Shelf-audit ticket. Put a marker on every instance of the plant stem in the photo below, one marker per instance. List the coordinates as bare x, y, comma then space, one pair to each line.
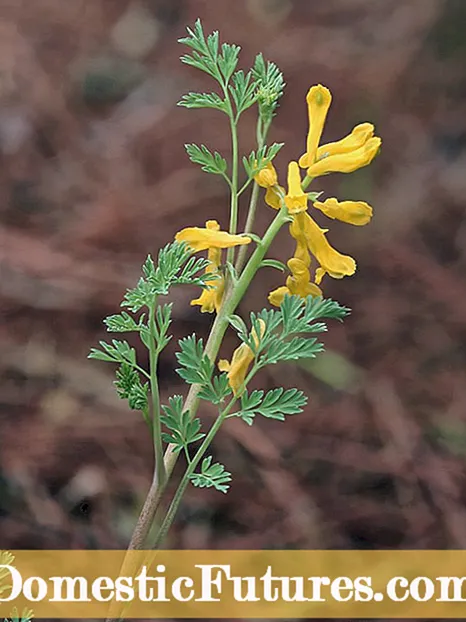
234, 184
261, 135
156, 424
174, 505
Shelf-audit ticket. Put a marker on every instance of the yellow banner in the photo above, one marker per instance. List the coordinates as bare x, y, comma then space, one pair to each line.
235, 584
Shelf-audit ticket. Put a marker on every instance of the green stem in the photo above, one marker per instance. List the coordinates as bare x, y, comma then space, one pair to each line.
174, 505
234, 184
306, 181
154, 386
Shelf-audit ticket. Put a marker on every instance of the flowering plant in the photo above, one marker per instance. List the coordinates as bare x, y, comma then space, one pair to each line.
287, 330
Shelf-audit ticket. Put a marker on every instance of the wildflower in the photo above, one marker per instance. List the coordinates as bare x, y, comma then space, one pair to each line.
210, 299
241, 360
200, 239
306, 231
358, 137
267, 178
296, 199
318, 101
346, 162
353, 212
299, 284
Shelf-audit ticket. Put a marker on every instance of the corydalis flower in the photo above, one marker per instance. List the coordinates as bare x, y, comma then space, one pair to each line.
211, 299
200, 239
267, 178
353, 212
307, 233
295, 199
298, 284
241, 360
346, 162
212, 240
344, 156
318, 101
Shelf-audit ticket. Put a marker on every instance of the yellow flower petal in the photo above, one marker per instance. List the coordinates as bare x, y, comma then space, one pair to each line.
346, 162
332, 261
299, 283
353, 212
296, 199
267, 177
274, 196
211, 299
318, 101
358, 137
242, 358
277, 296
199, 239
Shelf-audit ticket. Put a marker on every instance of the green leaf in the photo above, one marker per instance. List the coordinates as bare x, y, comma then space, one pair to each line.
228, 60
196, 368
211, 476
121, 323
116, 352
243, 91
182, 429
275, 404
217, 390
269, 84
175, 266
210, 163
203, 100
296, 348
129, 387
205, 51
255, 162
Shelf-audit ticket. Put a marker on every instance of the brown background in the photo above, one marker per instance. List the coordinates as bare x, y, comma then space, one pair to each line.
94, 176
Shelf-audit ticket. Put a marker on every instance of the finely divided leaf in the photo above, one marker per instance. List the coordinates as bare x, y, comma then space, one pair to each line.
212, 475
209, 162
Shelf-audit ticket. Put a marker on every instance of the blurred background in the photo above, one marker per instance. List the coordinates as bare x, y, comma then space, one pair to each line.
94, 176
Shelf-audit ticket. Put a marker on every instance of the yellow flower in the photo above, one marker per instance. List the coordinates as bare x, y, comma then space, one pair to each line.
358, 137
305, 230
318, 101
267, 177
242, 358
346, 162
352, 212
199, 239
211, 299
299, 284
296, 199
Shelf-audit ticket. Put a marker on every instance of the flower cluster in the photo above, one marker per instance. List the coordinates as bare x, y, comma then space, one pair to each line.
345, 156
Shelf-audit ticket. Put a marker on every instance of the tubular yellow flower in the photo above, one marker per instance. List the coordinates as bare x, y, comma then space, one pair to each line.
242, 358
199, 239
331, 261
267, 177
318, 101
358, 137
346, 162
211, 299
298, 284
296, 199
353, 212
